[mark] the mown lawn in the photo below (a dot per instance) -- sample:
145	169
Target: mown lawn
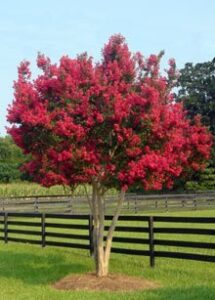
27	272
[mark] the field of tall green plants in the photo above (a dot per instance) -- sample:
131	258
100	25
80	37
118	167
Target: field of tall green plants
27	189
33	189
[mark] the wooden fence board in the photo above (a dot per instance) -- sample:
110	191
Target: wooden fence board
133	203
148	224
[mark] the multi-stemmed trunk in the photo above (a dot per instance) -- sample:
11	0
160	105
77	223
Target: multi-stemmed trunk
102	243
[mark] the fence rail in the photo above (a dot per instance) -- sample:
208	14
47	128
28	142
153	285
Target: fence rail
134	203
76	231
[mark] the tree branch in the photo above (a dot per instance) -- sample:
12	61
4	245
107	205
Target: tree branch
88	199
113	225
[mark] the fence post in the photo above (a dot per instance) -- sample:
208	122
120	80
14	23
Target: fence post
151	241
6	227
71	203
104	207
135	205
128	204
91	235
195	203
43	227
166	204
36	208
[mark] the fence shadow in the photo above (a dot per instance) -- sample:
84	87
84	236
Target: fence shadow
37	268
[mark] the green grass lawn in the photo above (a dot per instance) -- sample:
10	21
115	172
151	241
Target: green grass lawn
27	272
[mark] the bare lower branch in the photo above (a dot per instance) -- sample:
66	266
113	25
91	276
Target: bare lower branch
88	199
113	225
94	202
100	200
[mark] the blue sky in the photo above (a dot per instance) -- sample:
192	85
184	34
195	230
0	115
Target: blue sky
185	29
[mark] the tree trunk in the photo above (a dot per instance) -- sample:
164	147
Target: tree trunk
102	249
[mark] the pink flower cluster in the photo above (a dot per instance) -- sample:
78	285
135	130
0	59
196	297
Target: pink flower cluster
114	121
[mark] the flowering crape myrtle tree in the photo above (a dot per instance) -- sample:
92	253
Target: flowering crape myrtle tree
110	124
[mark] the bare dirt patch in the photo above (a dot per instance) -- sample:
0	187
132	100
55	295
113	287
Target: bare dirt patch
113	282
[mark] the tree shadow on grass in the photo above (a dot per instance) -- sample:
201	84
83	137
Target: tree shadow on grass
200	292
41	268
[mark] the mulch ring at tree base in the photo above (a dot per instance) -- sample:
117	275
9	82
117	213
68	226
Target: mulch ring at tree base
113	282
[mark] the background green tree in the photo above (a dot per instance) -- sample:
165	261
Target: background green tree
11	159
197	91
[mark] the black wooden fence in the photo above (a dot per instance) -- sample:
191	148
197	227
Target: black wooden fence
76	231
134	203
